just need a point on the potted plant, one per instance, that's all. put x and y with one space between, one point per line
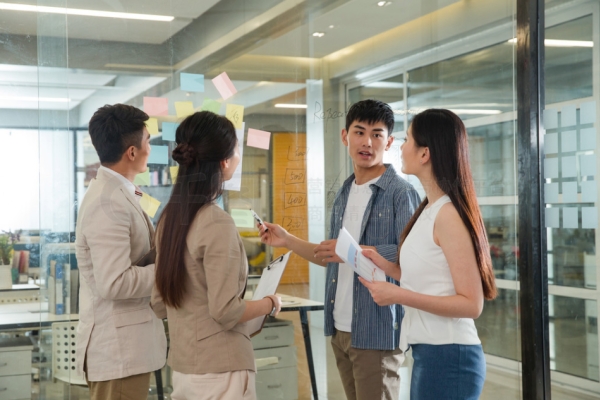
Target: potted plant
7 239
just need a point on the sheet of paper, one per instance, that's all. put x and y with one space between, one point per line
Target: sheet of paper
184 108
587 139
569 167
142 179
550 168
235 113
224 85
235 183
569 141
168 130
588 165
589 192
211 105
258 139
570 217
149 204
569 192
551 143
552 218
589 218
159 155
551 192
156 106
350 251
550 118
191 82
567 116
152 125
267 285
587 113
242 218
174 171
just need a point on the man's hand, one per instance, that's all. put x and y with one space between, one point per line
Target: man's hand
275 236
326 252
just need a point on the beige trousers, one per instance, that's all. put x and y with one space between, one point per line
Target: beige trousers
367 374
130 388
235 385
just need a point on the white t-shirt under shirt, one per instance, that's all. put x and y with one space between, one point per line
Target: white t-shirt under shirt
358 200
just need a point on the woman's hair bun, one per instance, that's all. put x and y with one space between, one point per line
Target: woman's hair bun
184 154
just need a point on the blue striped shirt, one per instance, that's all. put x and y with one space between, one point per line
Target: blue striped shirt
392 204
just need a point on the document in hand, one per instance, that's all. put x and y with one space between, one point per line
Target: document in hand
269 281
349 250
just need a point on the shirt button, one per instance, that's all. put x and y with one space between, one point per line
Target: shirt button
333 280
355 311
331 301
395 326
380 214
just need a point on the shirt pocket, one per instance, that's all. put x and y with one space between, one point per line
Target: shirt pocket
133 317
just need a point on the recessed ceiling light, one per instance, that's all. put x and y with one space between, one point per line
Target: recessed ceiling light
283 105
331 26
318 34
383 3
88 13
562 43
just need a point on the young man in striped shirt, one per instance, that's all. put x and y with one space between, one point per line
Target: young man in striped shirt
374 204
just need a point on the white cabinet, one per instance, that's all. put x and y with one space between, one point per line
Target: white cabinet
15 368
279 380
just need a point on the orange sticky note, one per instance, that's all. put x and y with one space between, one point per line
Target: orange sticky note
152 125
224 85
156 106
174 172
149 204
184 108
258 139
235 114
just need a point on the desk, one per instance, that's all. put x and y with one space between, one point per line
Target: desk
303 306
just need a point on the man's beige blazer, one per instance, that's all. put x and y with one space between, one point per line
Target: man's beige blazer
118 334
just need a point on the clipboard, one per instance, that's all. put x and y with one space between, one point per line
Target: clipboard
269 281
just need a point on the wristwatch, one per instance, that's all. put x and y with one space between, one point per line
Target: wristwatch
272 313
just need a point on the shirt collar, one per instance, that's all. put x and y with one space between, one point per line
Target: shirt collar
131 188
384 179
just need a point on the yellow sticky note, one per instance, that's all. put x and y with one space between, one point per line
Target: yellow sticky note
142 179
235 114
152 125
184 108
174 172
149 204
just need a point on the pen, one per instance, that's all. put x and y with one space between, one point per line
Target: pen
257 218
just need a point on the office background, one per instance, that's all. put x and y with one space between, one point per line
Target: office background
297 66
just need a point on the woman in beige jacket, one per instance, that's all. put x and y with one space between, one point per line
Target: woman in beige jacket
201 270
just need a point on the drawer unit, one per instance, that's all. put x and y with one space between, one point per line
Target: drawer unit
278 383
274 334
286 356
15 362
15 387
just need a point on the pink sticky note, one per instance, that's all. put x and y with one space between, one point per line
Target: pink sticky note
224 86
156 106
258 139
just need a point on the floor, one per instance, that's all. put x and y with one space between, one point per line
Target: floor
500 385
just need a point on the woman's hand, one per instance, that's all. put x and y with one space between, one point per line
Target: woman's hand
274 236
383 293
391 269
275 302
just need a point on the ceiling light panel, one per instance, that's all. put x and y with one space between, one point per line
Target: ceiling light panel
84 12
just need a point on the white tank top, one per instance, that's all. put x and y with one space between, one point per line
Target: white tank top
425 270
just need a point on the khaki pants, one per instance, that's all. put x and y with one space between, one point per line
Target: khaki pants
236 385
130 388
367 374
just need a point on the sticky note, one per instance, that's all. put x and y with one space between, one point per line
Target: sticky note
570 218
224 86
550 118
159 155
589 191
191 82
588 165
156 106
550 168
259 139
587 139
568 141
142 179
569 192
550 143
184 108
235 183
211 105
168 130
567 116
174 171
551 192
149 204
587 113
235 114
152 125
242 218
552 218
569 168
589 218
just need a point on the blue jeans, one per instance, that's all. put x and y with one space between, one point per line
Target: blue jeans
447 372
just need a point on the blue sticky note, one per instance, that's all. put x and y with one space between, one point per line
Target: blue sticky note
192 82
159 155
168 130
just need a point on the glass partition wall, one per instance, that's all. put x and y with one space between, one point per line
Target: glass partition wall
297 66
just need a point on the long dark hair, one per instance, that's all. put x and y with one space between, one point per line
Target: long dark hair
203 139
446 137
